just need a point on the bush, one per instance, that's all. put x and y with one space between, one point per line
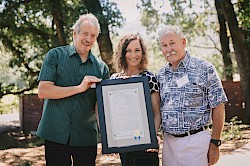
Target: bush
9 104
232 129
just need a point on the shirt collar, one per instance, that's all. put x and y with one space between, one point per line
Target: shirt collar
91 56
183 62
72 51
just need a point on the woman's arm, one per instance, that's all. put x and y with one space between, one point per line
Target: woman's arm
155 98
97 115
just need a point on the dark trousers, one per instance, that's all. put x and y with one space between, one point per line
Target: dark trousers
139 158
64 155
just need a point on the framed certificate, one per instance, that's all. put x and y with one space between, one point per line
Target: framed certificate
125 115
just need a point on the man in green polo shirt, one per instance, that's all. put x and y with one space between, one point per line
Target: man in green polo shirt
68 123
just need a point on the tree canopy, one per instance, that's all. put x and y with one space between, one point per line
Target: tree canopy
29 28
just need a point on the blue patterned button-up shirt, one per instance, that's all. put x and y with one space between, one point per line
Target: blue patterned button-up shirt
188 94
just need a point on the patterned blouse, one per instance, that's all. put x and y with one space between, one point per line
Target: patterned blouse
152 81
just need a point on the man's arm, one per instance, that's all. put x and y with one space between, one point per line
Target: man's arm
155 97
218 117
48 90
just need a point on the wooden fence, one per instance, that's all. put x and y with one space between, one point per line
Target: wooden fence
235 105
30 112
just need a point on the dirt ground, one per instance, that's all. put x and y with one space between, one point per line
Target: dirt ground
18 149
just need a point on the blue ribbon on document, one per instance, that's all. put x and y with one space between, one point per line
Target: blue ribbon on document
137 135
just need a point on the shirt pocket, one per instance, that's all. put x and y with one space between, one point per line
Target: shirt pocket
193 99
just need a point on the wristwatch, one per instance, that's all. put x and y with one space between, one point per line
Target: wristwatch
217 142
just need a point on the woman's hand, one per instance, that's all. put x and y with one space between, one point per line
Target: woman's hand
155 150
124 77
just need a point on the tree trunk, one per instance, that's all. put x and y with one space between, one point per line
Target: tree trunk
57 19
104 42
224 40
241 48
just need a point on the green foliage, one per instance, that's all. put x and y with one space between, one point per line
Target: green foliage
198 20
156 59
244 13
191 16
244 17
8 104
232 130
26 33
149 15
28 29
38 142
112 14
4 109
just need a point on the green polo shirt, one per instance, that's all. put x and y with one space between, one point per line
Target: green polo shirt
72 118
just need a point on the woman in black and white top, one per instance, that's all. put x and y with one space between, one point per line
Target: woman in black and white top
130 60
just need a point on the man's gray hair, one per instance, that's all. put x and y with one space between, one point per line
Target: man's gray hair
170 29
92 20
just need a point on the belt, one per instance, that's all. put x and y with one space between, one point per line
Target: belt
191 132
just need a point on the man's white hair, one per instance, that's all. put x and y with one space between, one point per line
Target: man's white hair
91 19
170 29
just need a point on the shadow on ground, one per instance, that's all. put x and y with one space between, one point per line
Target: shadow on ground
17 139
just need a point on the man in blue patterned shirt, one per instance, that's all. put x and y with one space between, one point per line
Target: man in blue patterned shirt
192 98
